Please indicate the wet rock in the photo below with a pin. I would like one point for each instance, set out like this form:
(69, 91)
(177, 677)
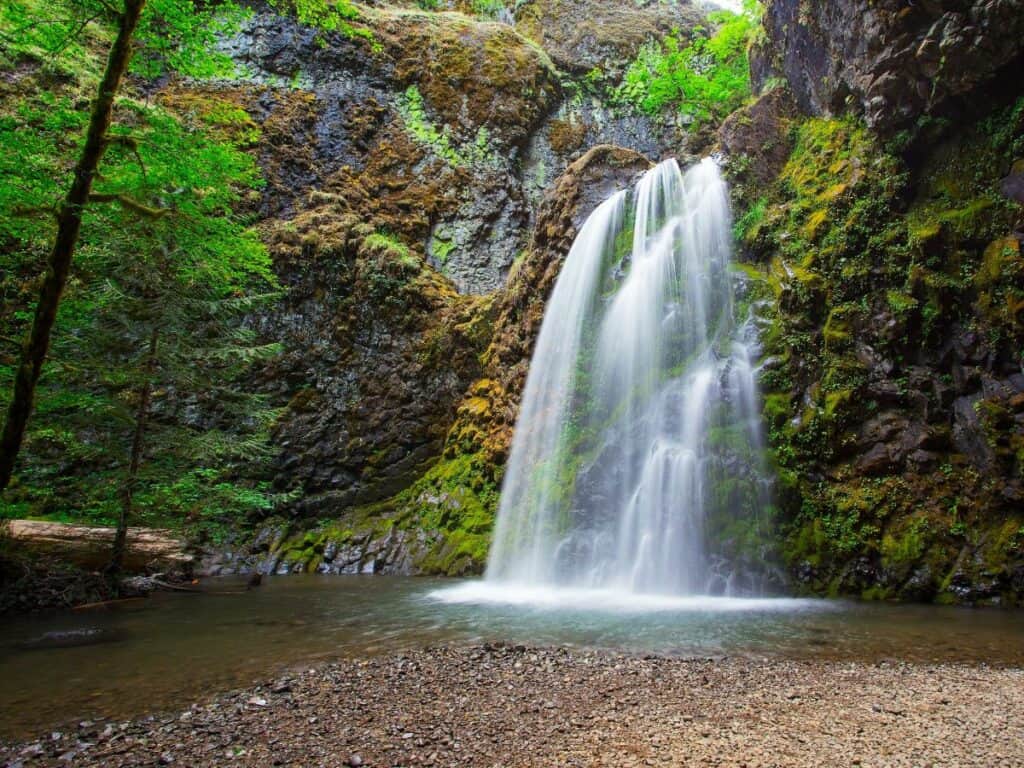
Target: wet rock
(890, 61)
(758, 138)
(969, 435)
(1013, 187)
(73, 638)
(920, 585)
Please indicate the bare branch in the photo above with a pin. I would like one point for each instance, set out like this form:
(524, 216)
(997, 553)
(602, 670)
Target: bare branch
(72, 35)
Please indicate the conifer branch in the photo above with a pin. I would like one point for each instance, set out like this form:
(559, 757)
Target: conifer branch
(132, 205)
(128, 142)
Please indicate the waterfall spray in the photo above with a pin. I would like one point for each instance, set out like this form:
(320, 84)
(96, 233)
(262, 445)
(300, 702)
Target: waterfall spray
(638, 445)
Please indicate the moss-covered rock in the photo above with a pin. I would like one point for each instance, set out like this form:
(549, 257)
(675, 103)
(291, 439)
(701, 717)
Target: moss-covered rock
(894, 383)
(600, 35)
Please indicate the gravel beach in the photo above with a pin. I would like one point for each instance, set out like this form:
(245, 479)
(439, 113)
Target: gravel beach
(516, 706)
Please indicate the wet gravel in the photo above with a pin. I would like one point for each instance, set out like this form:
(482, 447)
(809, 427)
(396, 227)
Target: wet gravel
(516, 706)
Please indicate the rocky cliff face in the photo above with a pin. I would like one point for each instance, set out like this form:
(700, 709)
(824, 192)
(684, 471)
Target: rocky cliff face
(419, 128)
(441, 520)
(405, 170)
(894, 385)
(874, 182)
(890, 62)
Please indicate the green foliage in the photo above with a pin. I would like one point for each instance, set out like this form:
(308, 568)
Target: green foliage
(748, 226)
(491, 9)
(441, 248)
(69, 35)
(179, 36)
(165, 255)
(704, 79)
(326, 15)
(56, 33)
(866, 255)
(393, 247)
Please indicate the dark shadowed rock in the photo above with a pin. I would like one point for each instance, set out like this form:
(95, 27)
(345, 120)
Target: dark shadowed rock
(1013, 187)
(890, 60)
(73, 638)
(757, 140)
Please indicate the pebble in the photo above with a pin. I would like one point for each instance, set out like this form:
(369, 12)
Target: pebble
(500, 705)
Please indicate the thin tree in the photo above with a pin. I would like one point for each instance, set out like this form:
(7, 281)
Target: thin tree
(174, 330)
(172, 35)
(69, 224)
(135, 458)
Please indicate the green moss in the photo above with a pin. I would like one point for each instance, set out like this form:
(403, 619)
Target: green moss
(477, 153)
(750, 225)
(903, 548)
(815, 225)
(877, 593)
(777, 409)
(900, 302)
(457, 499)
(836, 402)
(393, 248)
(808, 543)
(837, 331)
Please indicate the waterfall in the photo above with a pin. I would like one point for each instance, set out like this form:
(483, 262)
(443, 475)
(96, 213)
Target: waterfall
(636, 462)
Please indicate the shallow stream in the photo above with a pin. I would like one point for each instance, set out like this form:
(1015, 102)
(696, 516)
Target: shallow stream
(166, 651)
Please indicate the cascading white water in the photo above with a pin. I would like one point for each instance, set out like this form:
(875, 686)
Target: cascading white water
(638, 444)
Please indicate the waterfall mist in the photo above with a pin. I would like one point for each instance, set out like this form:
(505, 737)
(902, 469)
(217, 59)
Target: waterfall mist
(637, 461)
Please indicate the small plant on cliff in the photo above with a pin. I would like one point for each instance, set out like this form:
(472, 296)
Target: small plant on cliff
(326, 15)
(413, 112)
(704, 79)
(491, 9)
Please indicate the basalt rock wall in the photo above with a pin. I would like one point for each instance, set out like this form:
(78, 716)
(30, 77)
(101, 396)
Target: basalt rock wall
(874, 182)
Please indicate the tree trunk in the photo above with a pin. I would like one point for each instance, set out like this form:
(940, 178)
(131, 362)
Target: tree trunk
(128, 494)
(69, 222)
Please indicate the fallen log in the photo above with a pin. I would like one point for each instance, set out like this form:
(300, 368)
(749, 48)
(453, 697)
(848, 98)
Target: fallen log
(90, 546)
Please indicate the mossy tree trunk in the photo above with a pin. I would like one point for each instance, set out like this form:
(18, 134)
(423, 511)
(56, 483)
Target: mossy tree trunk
(69, 223)
(138, 442)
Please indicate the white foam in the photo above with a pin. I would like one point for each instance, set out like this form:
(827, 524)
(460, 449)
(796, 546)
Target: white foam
(612, 601)
(736, 6)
